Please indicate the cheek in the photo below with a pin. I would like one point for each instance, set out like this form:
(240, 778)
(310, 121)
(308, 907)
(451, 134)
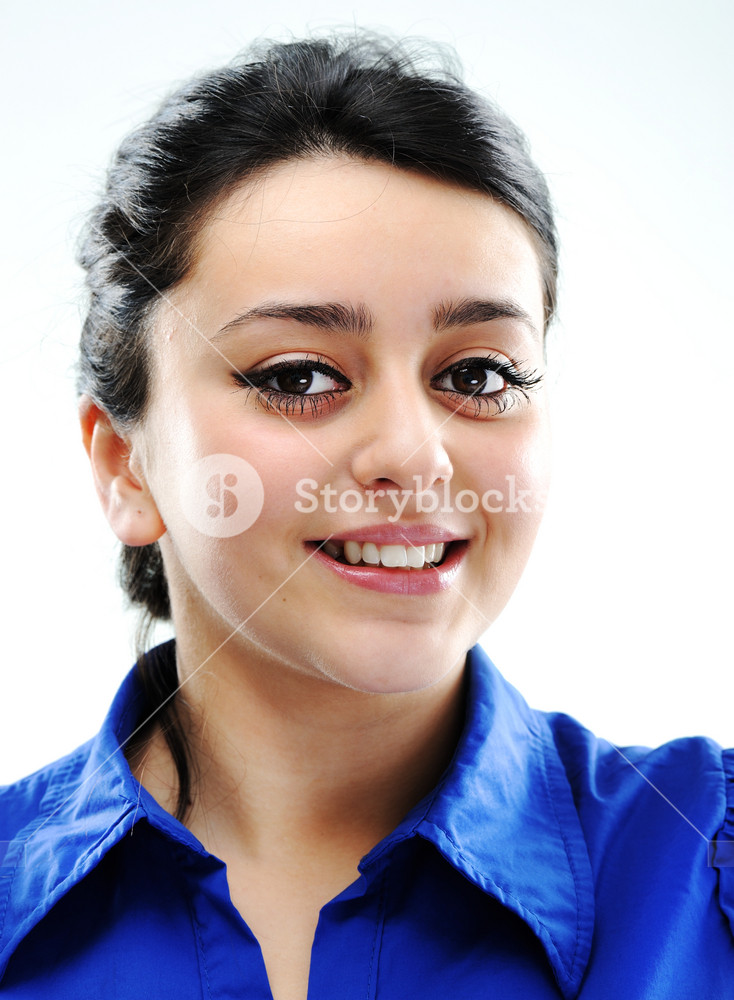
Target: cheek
(513, 484)
(530, 471)
(291, 469)
(508, 467)
(190, 433)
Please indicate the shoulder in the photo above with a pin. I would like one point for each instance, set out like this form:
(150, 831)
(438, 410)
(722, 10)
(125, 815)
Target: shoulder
(659, 818)
(38, 794)
(608, 783)
(88, 782)
(690, 777)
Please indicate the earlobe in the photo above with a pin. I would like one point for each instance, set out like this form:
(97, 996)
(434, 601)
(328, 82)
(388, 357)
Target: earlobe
(123, 493)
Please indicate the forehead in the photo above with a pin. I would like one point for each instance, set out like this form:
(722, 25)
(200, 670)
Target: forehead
(337, 228)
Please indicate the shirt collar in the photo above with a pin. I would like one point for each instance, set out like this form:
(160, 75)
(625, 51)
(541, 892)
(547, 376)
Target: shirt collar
(504, 816)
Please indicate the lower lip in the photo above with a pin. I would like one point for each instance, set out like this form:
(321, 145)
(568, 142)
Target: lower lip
(407, 582)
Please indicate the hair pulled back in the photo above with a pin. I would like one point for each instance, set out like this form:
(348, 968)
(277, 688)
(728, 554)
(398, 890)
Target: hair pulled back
(359, 95)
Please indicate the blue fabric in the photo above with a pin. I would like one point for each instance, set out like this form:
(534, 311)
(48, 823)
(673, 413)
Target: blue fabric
(546, 863)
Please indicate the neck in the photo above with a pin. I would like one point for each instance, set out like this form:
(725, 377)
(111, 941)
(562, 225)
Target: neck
(283, 757)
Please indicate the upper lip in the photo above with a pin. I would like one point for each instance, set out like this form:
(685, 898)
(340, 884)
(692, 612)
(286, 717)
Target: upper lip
(398, 534)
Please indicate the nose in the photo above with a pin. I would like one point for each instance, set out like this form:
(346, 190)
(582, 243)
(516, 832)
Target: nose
(399, 442)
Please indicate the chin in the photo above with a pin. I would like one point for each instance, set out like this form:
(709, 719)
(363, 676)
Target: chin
(381, 667)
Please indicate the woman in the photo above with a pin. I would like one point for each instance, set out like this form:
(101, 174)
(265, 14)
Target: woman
(312, 393)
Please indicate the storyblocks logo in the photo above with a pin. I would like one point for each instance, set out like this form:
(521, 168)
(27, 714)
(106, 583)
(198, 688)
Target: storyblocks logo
(511, 499)
(222, 495)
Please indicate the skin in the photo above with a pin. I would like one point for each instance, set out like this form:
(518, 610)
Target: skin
(344, 702)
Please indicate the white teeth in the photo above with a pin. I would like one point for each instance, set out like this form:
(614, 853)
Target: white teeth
(391, 556)
(415, 556)
(370, 554)
(352, 552)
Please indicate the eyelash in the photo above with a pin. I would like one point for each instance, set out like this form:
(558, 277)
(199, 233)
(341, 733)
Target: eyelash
(519, 381)
(293, 403)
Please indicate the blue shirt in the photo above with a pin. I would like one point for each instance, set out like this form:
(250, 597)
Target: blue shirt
(544, 864)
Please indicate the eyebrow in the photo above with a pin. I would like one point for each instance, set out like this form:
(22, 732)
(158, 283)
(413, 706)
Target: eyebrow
(467, 312)
(336, 317)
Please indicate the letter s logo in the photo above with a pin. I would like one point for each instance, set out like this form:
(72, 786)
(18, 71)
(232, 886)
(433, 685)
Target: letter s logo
(221, 495)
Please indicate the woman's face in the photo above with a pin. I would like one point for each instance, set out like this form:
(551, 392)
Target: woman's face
(369, 341)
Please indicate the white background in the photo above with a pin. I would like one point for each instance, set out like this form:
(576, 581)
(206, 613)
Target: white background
(623, 618)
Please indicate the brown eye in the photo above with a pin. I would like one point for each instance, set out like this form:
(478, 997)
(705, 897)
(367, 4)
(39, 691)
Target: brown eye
(296, 387)
(301, 381)
(471, 380)
(297, 379)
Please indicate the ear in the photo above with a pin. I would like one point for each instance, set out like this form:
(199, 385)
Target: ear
(123, 493)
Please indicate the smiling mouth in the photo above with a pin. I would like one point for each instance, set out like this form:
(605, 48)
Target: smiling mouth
(352, 553)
